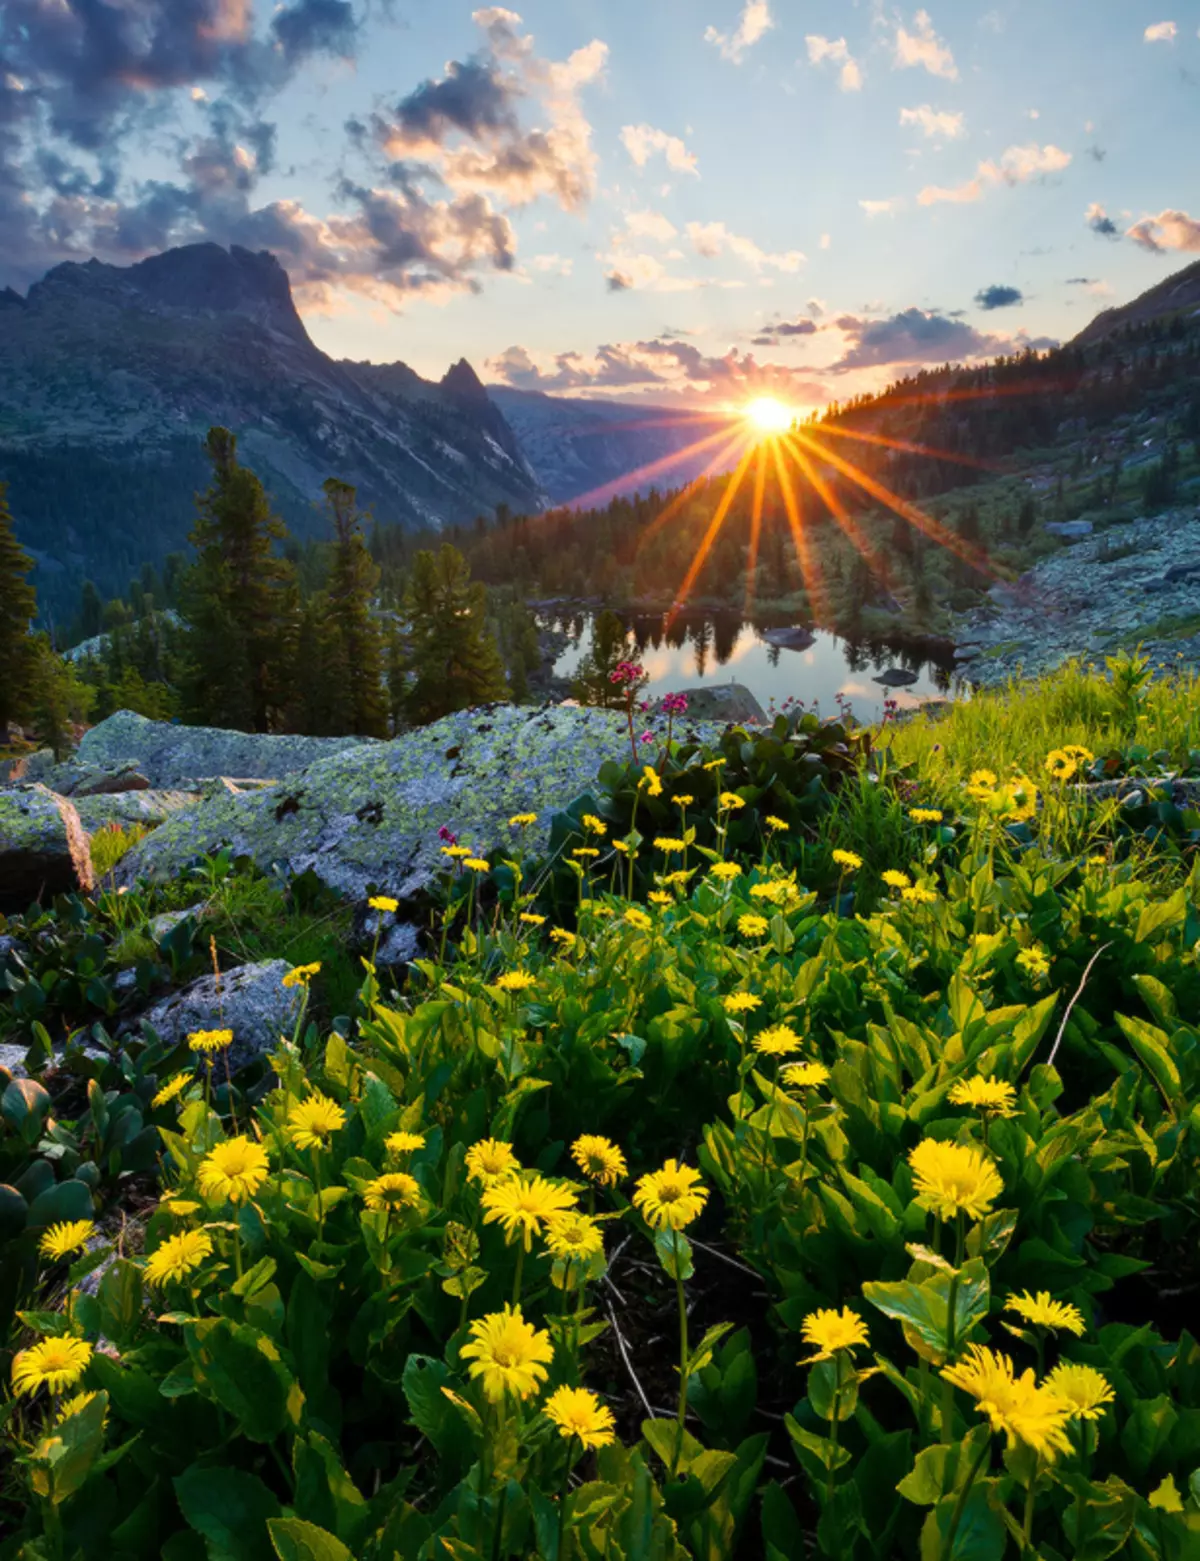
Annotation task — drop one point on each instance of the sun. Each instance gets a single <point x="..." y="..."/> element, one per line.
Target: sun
<point x="768" y="415"/>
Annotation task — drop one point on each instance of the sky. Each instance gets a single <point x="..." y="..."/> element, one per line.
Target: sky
<point x="675" y="201"/>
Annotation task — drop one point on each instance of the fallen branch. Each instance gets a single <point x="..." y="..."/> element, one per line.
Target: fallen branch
<point x="1075" y="996"/>
<point x="612" y="1317"/>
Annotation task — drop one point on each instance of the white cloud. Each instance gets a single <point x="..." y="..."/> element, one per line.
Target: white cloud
<point x="651" y="225"/>
<point x="1169" y="230"/>
<point x="934" y="122"/>
<point x="711" y="239"/>
<point x="826" y="240"/>
<point x="886" y="208"/>
<point x="1161" y="32"/>
<point x="923" y="47"/>
<point x="754" y="21"/>
<point x="837" y="52"/>
<point x="642" y="141"/>
<point x="554" y="263"/>
<point x="1017" y="165"/>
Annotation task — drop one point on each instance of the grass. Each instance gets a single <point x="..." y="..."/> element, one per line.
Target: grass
<point x="111" y="843"/>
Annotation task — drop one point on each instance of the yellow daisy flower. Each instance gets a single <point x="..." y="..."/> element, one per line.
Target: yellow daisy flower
<point x="668" y="843"/>
<point x="772" y="821"/>
<point x="524" y="1203"/>
<point x="68" y="1236"/>
<point x="532" y="919"/>
<point x="925" y="815"/>
<point x="1044" y="1312"/>
<point x="577" y="1412"/>
<point x="672" y="1198"/>
<point x="599" y="1159"/>
<point x="456" y="853"/>
<point x="638" y="918"/>
<point x="177" y="1256"/>
<point x="56" y="1363"/>
<point x="404" y="1143"/>
<point x="508" y="1354"/>
<point x="393" y="1190"/>
<point x="233" y="1171"/>
<point x="383" y="902"/>
<point x="210" y="1041"/>
<point x="725" y="871"/>
<point x="651" y="781"/>
<point x="778" y="1041"/>
<point x="522" y="820"/>
<point x="1015" y="1405"/>
<point x="949" y="1179"/>
<point x="752" y="926"/>
<point x="741" y="1003"/>
<point x="302" y="974"/>
<point x="1035" y="961"/>
<point x="805" y="1075"/>
<point x="310" y="1122"/>
<point x="1083" y="1389"/>
<point x="476" y="864"/>
<point x="896" y="879"/>
<point x="574" y="1237"/>
<point x="919" y="895"/>
<point x="832" y="1331"/>
<point x="594" y="825"/>
<point x="515" y="981"/>
<point x="490" y="1159"/>
<point x="850" y="860"/>
<point x="171" y="1089"/>
<point x="994" y="1095"/>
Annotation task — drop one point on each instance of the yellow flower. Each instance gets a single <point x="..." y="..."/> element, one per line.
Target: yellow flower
<point x="476" y="864"/>
<point x="752" y="926"/>
<point x="778" y="1041"/>
<point x="660" y="897"/>
<point x="895" y="879"/>
<point x="1017" y="800"/>
<point x="532" y="918"/>
<point x="181" y="1207"/>
<point x="522" y="1204"/>
<point x="515" y="981"/>
<point x="489" y="1159"/>
<point x="775" y="892"/>
<point x="638" y="918"/>
<point x="585" y="851"/>
<point x="850" y="860"/>
<point x="805" y="1075"/>
<point x="680" y="878"/>
<point x="56" y="1363"/>
<point x="302" y="974"/>
<point x="561" y="935"/>
<point x="949" y="1179"/>
<point x="594" y="825"/>
<point x="67" y="1236"/>
<point x="1059" y="765"/>
<point x="725" y="871"/>
<point x="457" y="853"/>
<point x="919" y="895"/>
<point x="171" y="1088"/>
<point x="684" y="801"/>
<point x="312" y="1121"/>
<point x="404" y="1143"/>
<point x="741" y="1003"/>
<point x="651" y="781"/>
<point x="392" y="1190"/>
<point x="730" y="799"/>
<point x="1035" y="961"/>
<point x="73" y="1406"/>
<point x="714" y="764"/>
<point x="831" y="1331"/>
<point x="522" y="820"/>
<point x="599" y="1159"/>
<point x="1097" y="861"/>
<point x="672" y="1198"/>
<point x="383" y="902"/>
<point x="774" y="822"/>
<point x="985" y="1094"/>
<point x="623" y="847"/>
<point x="984" y="780"/>
<point x="1079" y="753"/>
<point x="577" y="1412"/>
<point x="1083" y="1389"/>
<point x="177" y="1256"/>
<point x="1044" y="1312"/>
<point x="233" y="1171"/>
<point x="210" y="1041"/>
<point x="925" y="815"/>
<point x="509" y="1354"/>
<point x="574" y="1237"/>
<point x="668" y="843"/>
<point x="1015" y="1405"/>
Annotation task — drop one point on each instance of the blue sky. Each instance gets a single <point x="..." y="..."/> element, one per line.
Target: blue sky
<point x="695" y="200"/>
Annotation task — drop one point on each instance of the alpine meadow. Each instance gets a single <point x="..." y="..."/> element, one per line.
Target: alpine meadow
<point x="599" y="781"/>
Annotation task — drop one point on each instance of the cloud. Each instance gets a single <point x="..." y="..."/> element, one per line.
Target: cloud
<point x="710" y="239"/>
<point x="1099" y="221"/>
<point x="649" y="225"/>
<point x="919" y="336"/>
<point x="887" y="208"/>
<point x="555" y="264"/>
<point x="1017" y="165"/>
<point x="1096" y="153"/>
<point x="932" y="122"/>
<point x="1161" y="32"/>
<point x="835" y="50"/>
<point x="754" y="21"/>
<point x="316" y="27"/>
<point x="1092" y="285"/>
<point x="772" y="335"/>
<point x="923" y="47"/>
<point x="999" y="297"/>
<point x="641" y="141"/>
<point x="1169" y="230"/>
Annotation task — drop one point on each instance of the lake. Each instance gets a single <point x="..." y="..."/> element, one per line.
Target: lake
<point x="704" y="648"/>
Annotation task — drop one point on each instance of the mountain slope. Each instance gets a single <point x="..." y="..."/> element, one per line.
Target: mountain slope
<point x="110" y="376"/>
<point x="577" y="446"/>
<point x="1179" y="293"/>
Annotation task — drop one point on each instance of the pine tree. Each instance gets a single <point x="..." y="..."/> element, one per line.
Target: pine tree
<point x="592" y="683"/>
<point x="451" y="651"/>
<point x="236" y="599"/>
<point x="18" y="606"/>
<point x="58" y="698"/>
<point x="358" y="649"/>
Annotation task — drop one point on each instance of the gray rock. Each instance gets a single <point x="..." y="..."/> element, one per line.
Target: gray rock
<point x="731" y="703"/>
<point x="794" y="637"/>
<point x="108" y="782"/>
<point x="252" y="1002"/>
<point x="170" y="756"/>
<point x="1070" y="530"/>
<point x="161" y="925"/>
<point x="896" y="677"/>
<point x="367" y="819"/>
<point x="43" y="847"/>
<point x="131" y="807"/>
<point x="13" y="1058"/>
<point x="1188" y="570"/>
<point x="398" y="945"/>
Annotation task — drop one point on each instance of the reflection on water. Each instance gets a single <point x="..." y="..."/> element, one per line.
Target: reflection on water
<point x="704" y="648"/>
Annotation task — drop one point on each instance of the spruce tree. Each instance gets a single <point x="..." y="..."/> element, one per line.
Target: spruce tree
<point x="357" y="641"/>
<point x="451" y="652"/>
<point x="592" y="683"/>
<point x="237" y="599"/>
<point x="18" y="607"/>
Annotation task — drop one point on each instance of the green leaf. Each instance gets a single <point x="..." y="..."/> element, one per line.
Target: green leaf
<point x="1152" y="1046"/>
<point x="70" y="1200"/>
<point x="1100" y="1519"/>
<point x="831" y="1380"/>
<point x="63" y="1458"/>
<point x="230" y="1508"/>
<point x="923" y="1309"/>
<point x="1147" y="1431"/>
<point x="241" y="1369"/>
<point x="295" y="1540"/>
<point x="674" y="1253"/>
<point x="120" y="1300"/>
<point x="14" y="1211"/>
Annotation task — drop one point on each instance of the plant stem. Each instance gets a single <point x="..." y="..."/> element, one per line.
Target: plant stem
<point x="320" y="1205"/>
<point x="683" y="1349"/>
<point x="952" y="1307"/>
<point x="833" y="1434"/>
<point x="562" y="1501"/>
<point x="947" y="1549"/>
<point x="516" y="1296"/>
<point x="1030" y="1494"/>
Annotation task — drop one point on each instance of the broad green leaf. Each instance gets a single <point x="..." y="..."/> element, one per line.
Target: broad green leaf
<point x="241" y="1369"/>
<point x="63" y="1459"/>
<point x="295" y="1540"/>
<point x="1152" y="1046"/>
<point x="923" y="1309"/>
<point x="230" y="1508"/>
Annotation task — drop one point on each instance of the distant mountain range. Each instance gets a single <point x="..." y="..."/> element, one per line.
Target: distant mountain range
<point x="1179" y="294"/>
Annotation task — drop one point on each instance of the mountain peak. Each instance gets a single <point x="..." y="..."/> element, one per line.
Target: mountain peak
<point x="233" y="280"/>
<point x="461" y="380"/>
<point x="1177" y="293"/>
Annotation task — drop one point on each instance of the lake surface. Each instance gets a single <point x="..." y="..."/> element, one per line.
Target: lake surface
<point x="703" y="649"/>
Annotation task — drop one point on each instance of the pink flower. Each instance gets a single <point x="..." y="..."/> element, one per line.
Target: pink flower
<point x="675" y="704"/>
<point x="447" y="837"/>
<point x="647" y="737"/>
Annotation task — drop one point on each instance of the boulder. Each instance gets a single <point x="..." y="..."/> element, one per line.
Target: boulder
<point x="110" y="782"/>
<point x="171" y="756"/>
<point x="896" y="677"/>
<point x="130" y="807"/>
<point x="251" y="1001"/>
<point x="730" y="703"/>
<point x="366" y="820"/>
<point x="43" y="847"/>
<point x="794" y="637"/>
<point x="1069" y="530"/>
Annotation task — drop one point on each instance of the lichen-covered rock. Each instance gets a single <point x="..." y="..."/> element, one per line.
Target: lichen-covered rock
<point x="367" y="819"/>
<point x="131" y="807"/>
<point x="43" y="847"/>
<point x="724" y="702"/>
<point x="251" y="1001"/>
<point x="74" y="778"/>
<point x="173" y="756"/>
